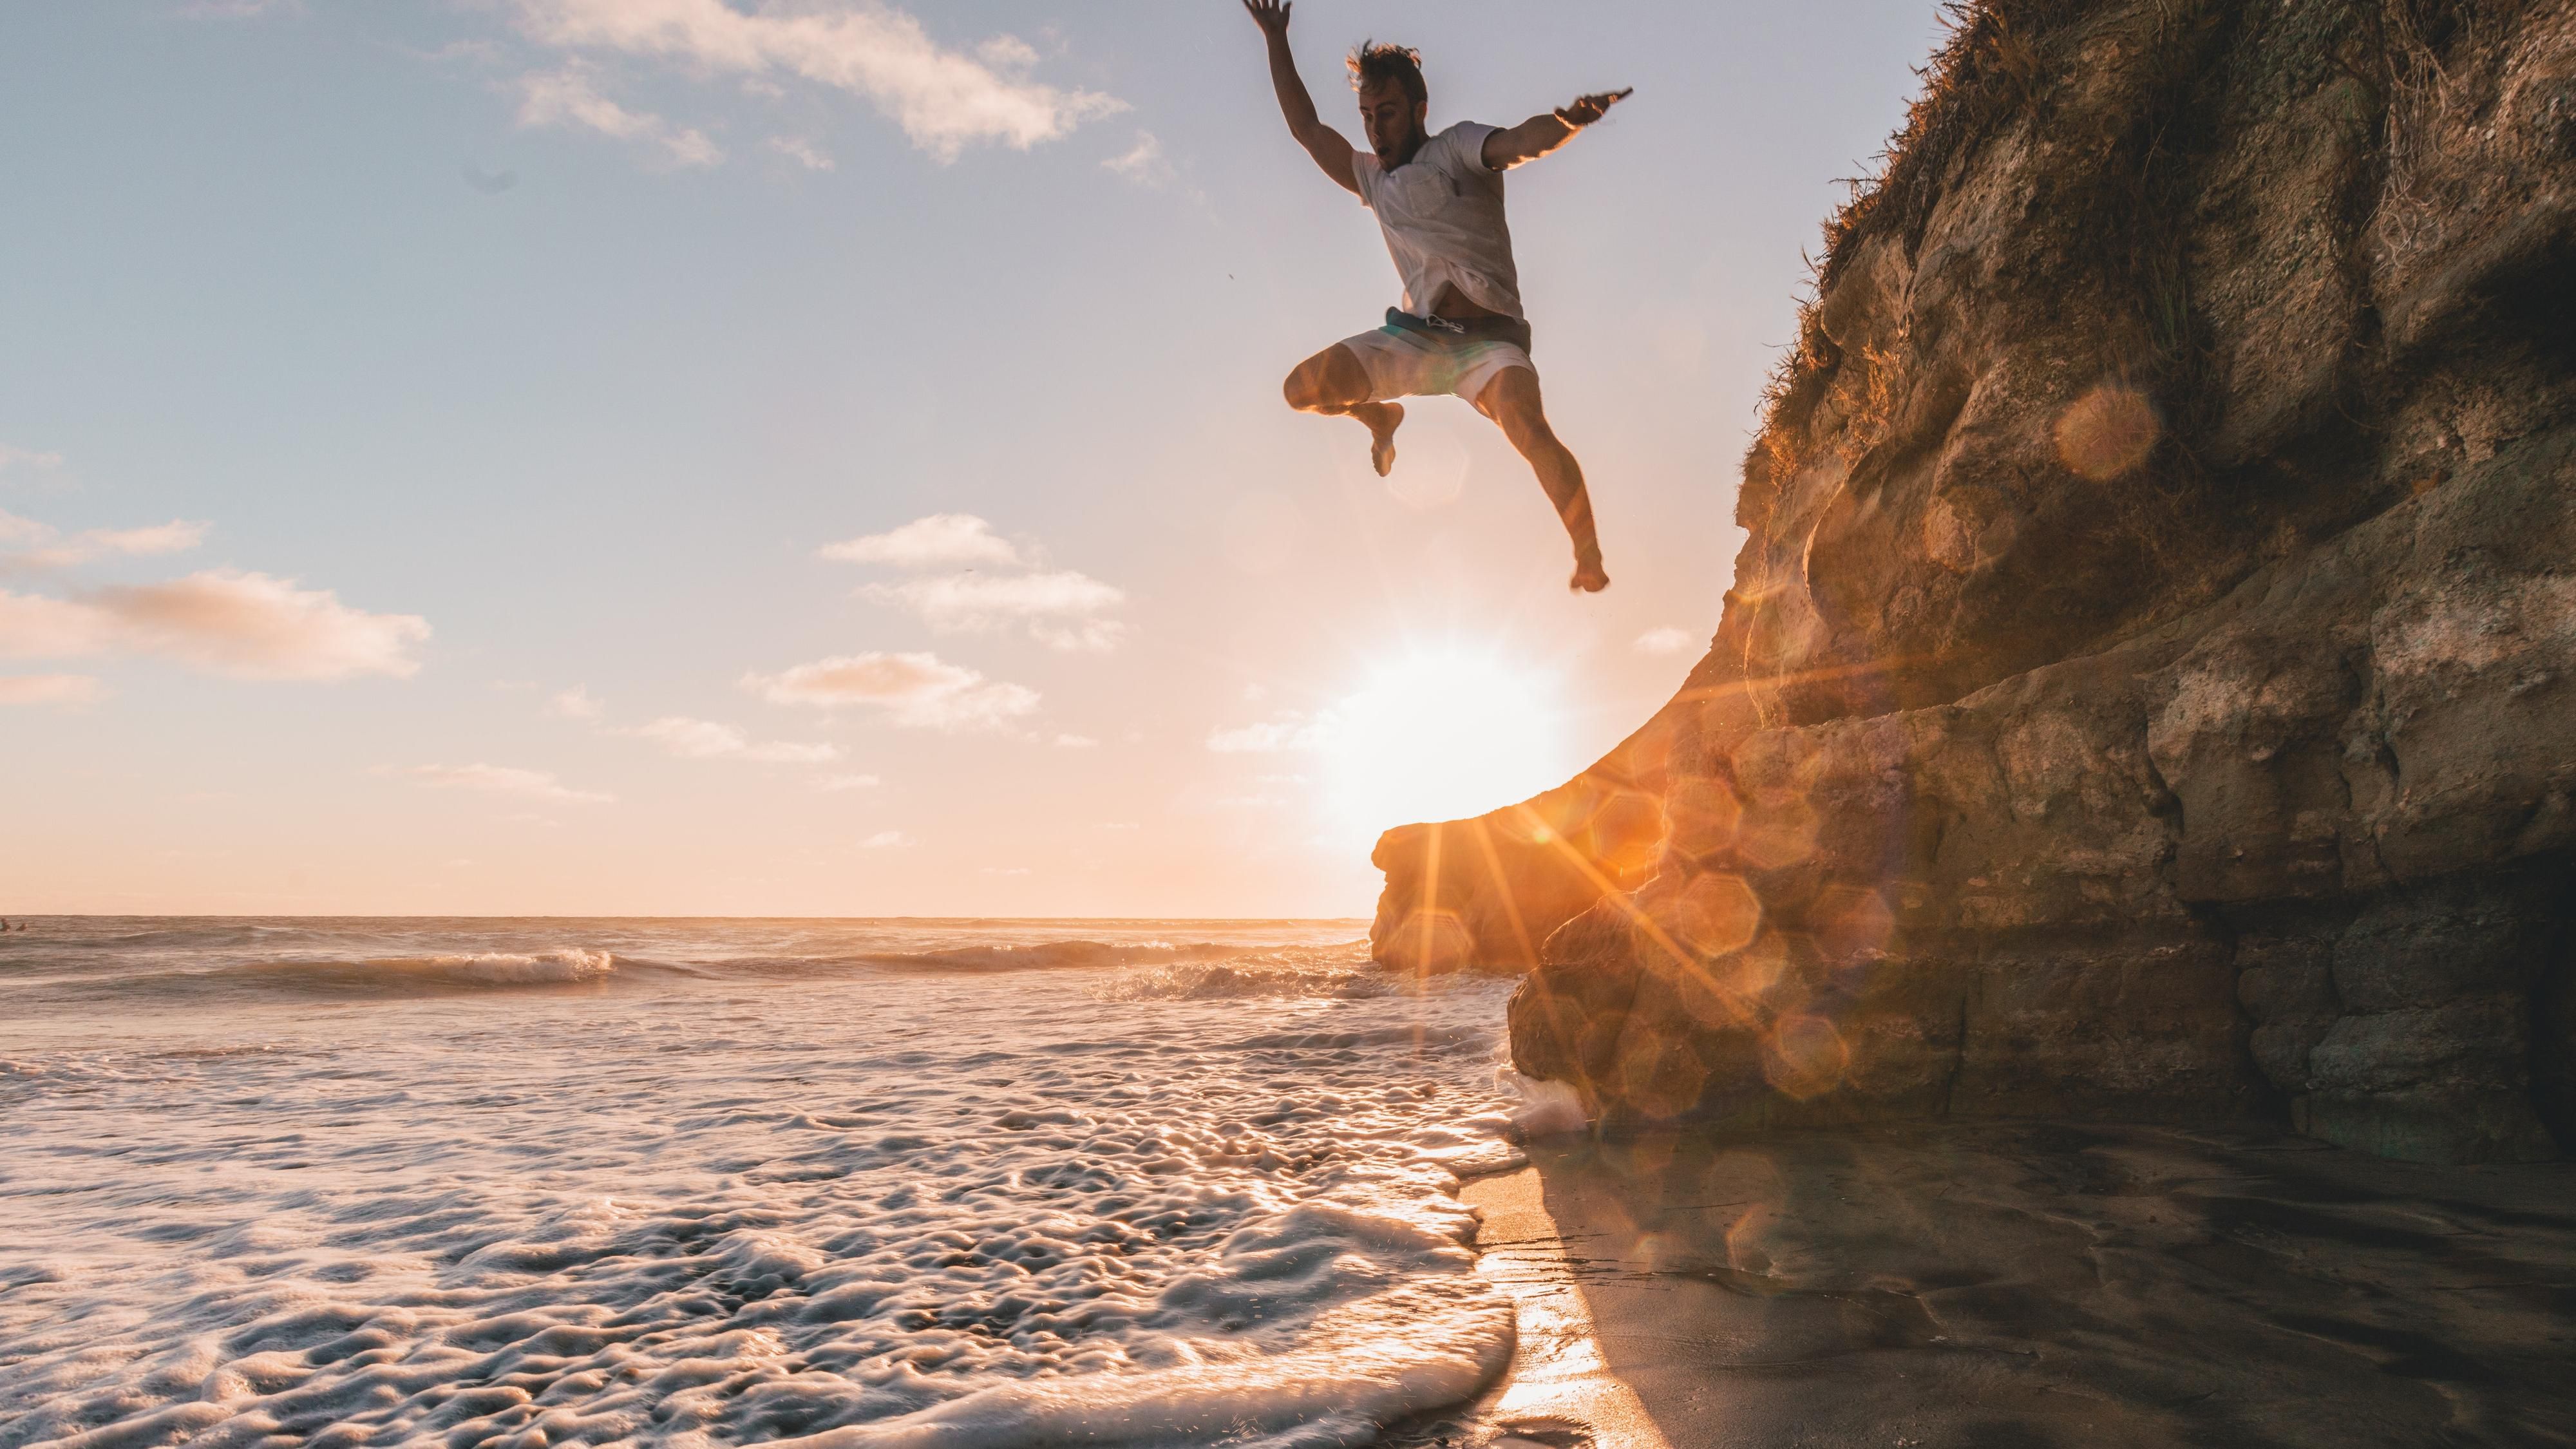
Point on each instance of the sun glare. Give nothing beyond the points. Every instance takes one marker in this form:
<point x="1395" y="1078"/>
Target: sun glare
<point x="1442" y="734"/>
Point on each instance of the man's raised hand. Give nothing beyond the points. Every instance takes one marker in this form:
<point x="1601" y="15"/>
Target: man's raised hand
<point x="1543" y="133"/>
<point x="1270" y="15"/>
<point x="1586" y="109"/>
<point x="1326" y="145"/>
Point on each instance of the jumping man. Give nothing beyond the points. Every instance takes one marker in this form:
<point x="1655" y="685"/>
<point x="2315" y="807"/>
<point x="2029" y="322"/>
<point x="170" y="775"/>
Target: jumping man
<point x="1439" y="199"/>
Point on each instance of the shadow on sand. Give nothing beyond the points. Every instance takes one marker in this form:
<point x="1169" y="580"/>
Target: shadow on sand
<point x="2012" y="1285"/>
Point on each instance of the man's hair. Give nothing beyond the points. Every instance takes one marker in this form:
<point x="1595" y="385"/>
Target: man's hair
<point x="1375" y="64"/>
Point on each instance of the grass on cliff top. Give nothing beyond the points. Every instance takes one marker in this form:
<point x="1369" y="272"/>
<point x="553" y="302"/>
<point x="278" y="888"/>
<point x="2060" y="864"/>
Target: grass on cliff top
<point x="1999" y="59"/>
<point x="1987" y="68"/>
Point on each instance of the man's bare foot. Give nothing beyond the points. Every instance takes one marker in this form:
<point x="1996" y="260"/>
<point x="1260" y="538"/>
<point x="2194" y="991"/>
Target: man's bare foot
<point x="1382" y="440"/>
<point x="1588" y="576"/>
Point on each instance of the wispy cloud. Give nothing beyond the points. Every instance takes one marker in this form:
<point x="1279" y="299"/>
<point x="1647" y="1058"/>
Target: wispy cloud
<point x="1143" y="162"/>
<point x="801" y="151"/>
<point x="575" y="703"/>
<point x="835" y="784"/>
<point x="48" y="548"/>
<point x="944" y="99"/>
<point x="473" y="48"/>
<point x="568" y="98"/>
<point x="1666" y="640"/>
<point x="920" y="691"/>
<point x="247" y="625"/>
<point x="500" y="780"/>
<point x="58" y="689"/>
<point x="1268" y="737"/>
<point x="28" y="459"/>
<point x="177" y="536"/>
<point x="887" y="840"/>
<point x="1061" y="609"/>
<point x="705" y="739"/>
<point x="239" y="9"/>
<point x="1076" y="742"/>
<point x="943" y="540"/>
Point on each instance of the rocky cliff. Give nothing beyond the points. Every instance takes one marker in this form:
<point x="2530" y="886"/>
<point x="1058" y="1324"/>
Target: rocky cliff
<point x="2148" y="689"/>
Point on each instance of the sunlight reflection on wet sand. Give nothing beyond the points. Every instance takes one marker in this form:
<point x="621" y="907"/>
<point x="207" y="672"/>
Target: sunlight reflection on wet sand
<point x="1559" y="1379"/>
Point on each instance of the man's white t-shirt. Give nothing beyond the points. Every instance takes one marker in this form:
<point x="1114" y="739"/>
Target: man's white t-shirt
<point x="1442" y="213"/>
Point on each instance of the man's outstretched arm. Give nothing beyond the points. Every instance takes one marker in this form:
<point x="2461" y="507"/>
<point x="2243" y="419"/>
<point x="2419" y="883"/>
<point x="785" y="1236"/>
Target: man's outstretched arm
<point x="1538" y="135"/>
<point x="1330" y="150"/>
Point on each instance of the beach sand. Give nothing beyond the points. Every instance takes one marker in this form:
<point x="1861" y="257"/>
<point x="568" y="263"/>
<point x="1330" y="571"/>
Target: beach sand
<point x="2025" y="1284"/>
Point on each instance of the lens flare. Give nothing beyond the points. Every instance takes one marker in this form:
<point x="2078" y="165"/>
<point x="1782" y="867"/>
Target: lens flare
<point x="1432" y="941"/>
<point x="1715" y="914"/>
<point x="1804" y="1057"/>
<point x="1778" y="832"/>
<point x="1704" y="814"/>
<point x="1852" y="923"/>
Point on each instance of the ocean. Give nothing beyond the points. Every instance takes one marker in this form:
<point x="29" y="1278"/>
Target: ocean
<point x="537" y="1182"/>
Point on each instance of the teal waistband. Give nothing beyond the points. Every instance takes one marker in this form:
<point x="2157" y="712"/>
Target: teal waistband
<point x="1463" y="329"/>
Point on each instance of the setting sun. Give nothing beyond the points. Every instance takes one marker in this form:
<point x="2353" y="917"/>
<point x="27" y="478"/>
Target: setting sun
<point x="1439" y="734"/>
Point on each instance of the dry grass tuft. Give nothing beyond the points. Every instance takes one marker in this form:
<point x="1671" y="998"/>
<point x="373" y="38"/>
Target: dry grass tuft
<point x="2426" y="114"/>
<point x="1989" y="67"/>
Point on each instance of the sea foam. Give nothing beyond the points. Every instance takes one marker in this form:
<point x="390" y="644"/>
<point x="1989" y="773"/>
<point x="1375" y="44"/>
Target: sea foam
<point x="849" y="1206"/>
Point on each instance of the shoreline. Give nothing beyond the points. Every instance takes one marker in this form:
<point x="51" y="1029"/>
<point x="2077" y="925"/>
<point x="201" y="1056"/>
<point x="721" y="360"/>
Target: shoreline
<point x="2021" y="1283"/>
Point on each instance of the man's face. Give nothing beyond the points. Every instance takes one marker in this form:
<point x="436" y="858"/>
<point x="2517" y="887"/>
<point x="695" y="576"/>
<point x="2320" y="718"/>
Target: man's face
<point x="1393" y="121"/>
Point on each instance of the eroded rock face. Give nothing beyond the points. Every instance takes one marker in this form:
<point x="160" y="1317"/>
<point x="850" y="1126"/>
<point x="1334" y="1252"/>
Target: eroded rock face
<point x="2148" y="689"/>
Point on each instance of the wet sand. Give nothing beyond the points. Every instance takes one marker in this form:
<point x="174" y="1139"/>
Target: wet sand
<point x="2017" y="1285"/>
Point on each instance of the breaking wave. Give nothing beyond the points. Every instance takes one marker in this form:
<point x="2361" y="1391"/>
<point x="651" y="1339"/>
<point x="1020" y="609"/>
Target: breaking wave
<point x="1049" y="956"/>
<point x="388" y="976"/>
<point x="102" y="959"/>
<point x="1247" y="977"/>
<point x="1205" y="1196"/>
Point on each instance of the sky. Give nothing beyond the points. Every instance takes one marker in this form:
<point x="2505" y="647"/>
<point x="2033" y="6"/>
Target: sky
<point x="671" y="457"/>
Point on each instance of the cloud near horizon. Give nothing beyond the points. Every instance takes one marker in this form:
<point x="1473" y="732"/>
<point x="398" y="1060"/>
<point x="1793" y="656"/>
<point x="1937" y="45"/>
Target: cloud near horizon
<point x="943" y="99"/>
<point x="1060" y="608"/>
<point x="223" y="621"/>
<point x="705" y="739"/>
<point x="1666" y="640"/>
<point x="499" y="780"/>
<point x="1268" y="737"/>
<point x="62" y="689"/>
<point x="51" y="550"/>
<point x="942" y="540"/>
<point x="917" y="691"/>
<point x="575" y="703"/>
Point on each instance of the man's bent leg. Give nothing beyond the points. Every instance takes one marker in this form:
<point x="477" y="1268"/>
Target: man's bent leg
<point x="1512" y="399"/>
<point x="1334" y="382"/>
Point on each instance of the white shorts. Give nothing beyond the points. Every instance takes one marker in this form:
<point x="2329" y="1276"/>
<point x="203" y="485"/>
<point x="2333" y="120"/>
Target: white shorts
<point x="1404" y="363"/>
